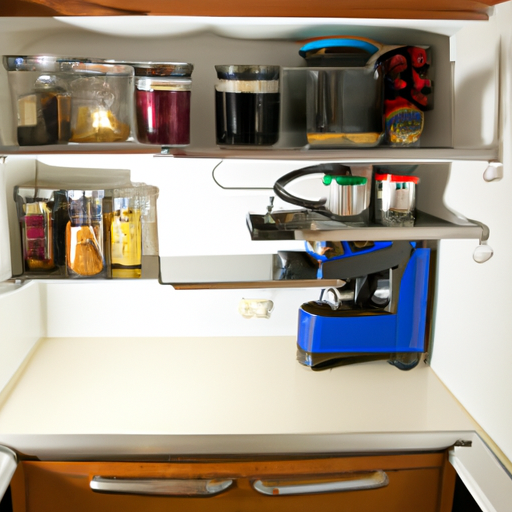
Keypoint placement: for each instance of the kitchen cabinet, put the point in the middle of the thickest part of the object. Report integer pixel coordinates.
(226, 485)
(112, 371)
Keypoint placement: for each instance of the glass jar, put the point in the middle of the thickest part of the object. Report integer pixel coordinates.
(101, 109)
(41, 98)
(34, 208)
(84, 234)
(162, 102)
(395, 200)
(247, 105)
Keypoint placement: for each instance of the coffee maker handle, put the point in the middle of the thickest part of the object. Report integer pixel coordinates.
(331, 168)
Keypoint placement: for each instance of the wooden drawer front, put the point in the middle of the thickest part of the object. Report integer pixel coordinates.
(414, 483)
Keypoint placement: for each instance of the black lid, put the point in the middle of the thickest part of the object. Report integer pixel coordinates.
(247, 72)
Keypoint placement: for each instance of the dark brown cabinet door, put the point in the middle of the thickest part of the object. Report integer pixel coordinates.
(385, 483)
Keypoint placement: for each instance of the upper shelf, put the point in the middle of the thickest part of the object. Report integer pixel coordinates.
(370, 155)
(207, 41)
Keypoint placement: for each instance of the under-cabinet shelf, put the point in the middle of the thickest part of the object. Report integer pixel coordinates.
(427, 227)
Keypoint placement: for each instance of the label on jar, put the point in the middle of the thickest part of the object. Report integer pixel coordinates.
(27, 110)
(402, 199)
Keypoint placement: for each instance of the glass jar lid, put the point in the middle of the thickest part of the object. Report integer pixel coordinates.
(173, 69)
(247, 72)
(55, 64)
(162, 83)
(50, 63)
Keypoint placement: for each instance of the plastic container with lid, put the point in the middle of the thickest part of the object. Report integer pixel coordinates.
(162, 102)
(66, 99)
(247, 105)
(344, 103)
(395, 200)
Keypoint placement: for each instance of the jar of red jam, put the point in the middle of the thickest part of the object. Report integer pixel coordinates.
(162, 102)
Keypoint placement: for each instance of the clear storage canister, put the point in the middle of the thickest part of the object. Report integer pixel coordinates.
(247, 103)
(162, 102)
(344, 94)
(41, 98)
(395, 200)
(101, 108)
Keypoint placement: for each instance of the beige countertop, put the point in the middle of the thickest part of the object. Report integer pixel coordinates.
(81, 397)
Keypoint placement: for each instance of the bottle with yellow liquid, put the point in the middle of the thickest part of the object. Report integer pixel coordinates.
(126, 234)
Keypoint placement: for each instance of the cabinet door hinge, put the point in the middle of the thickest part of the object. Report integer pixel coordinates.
(463, 443)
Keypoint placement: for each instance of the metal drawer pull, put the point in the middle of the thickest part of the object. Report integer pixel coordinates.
(349, 482)
(8, 463)
(159, 486)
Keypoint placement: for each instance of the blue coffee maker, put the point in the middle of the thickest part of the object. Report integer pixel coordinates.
(380, 311)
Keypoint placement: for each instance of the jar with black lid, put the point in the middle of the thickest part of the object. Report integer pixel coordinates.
(247, 103)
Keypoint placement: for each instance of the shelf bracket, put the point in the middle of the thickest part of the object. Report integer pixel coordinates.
(483, 251)
(493, 172)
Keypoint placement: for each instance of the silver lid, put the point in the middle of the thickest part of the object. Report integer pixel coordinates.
(163, 83)
(148, 68)
(55, 64)
(50, 63)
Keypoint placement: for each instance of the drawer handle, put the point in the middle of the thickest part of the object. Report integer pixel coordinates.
(350, 482)
(159, 486)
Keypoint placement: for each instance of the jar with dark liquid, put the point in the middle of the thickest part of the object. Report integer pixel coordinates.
(247, 102)
(162, 102)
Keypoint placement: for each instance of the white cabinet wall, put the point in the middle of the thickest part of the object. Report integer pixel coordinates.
(472, 349)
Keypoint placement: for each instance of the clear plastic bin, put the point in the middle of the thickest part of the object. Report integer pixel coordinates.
(87, 233)
(344, 107)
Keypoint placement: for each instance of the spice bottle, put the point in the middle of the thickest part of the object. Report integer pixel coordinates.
(37, 235)
(125, 234)
(84, 234)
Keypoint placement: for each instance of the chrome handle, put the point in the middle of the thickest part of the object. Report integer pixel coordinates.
(159, 486)
(8, 463)
(359, 481)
